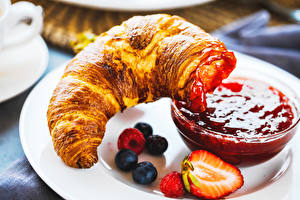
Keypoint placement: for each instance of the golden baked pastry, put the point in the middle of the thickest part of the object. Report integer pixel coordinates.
(142, 60)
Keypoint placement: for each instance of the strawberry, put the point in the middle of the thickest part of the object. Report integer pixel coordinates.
(208, 176)
(133, 139)
(171, 185)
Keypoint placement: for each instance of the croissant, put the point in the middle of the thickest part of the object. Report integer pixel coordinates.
(142, 60)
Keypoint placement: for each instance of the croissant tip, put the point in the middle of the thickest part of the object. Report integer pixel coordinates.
(86, 161)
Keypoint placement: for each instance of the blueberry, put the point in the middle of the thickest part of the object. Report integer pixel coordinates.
(145, 128)
(144, 173)
(156, 145)
(126, 159)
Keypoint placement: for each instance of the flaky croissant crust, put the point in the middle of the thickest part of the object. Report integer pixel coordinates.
(142, 60)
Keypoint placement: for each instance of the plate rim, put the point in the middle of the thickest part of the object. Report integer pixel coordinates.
(22, 134)
(39, 172)
(91, 4)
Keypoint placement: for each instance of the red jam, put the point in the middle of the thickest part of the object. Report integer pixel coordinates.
(243, 108)
(197, 101)
(240, 116)
(197, 97)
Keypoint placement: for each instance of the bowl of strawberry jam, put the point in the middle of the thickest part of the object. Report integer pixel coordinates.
(247, 121)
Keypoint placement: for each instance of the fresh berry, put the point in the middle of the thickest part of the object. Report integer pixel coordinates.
(126, 159)
(144, 173)
(207, 176)
(156, 145)
(145, 128)
(132, 139)
(171, 185)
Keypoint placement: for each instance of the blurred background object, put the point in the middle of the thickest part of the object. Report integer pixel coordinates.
(20, 27)
(63, 22)
(284, 8)
(135, 5)
(251, 35)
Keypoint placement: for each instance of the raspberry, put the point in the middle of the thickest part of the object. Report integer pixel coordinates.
(132, 139)
(171, 185)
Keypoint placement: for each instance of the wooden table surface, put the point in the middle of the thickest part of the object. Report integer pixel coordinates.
(62, 22)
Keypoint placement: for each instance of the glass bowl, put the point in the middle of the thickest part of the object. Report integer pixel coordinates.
(241, 150)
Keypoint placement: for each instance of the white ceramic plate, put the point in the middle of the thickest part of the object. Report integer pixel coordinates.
(276, 179)
(22, 66)
(136, 5)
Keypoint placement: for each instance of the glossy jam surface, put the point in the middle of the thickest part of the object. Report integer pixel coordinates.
(243, 107)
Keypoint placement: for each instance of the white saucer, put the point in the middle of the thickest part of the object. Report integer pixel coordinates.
(21, 67)
(277, 179)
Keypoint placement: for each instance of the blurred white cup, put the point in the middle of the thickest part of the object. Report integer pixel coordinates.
(13, 28)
